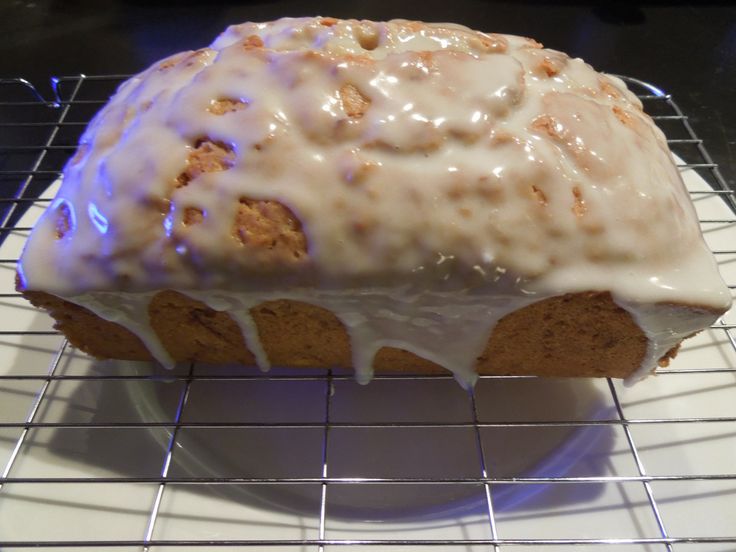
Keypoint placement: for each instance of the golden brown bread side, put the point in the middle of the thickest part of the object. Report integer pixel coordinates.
(583, 334)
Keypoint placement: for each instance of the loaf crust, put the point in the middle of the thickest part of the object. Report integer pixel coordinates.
(432, 188)
(584, 334)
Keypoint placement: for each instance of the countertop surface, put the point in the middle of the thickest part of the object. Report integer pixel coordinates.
(686, 50)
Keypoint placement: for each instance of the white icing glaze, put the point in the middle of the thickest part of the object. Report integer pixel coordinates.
(239, 310)
(468, 156)
(130, 310)
(665, 326)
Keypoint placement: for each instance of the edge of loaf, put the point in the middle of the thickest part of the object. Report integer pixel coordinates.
(422, 186)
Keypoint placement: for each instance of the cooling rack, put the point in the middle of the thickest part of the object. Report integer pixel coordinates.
(126, 456)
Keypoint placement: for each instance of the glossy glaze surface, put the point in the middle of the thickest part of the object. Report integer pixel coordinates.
(420, 161)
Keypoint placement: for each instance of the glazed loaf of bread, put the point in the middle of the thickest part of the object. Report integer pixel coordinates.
(387, 196)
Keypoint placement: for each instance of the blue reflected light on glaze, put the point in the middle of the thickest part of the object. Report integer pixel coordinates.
(22, 277)
(97, 218)
(169, 224)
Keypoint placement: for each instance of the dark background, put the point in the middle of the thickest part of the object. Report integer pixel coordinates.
(687, 50)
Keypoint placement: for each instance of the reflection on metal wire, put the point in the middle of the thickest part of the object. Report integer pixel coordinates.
(33, 90)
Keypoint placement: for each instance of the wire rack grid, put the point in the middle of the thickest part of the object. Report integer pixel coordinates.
(98, 455)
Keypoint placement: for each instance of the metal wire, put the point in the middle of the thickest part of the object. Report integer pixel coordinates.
(484, 473)
(325, 452)
(148, 537)
(52, 137)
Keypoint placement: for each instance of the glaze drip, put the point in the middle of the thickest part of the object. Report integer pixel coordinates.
(130, 310)
(450, 329)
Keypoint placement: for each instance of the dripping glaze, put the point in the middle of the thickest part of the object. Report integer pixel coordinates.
(392, 144)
